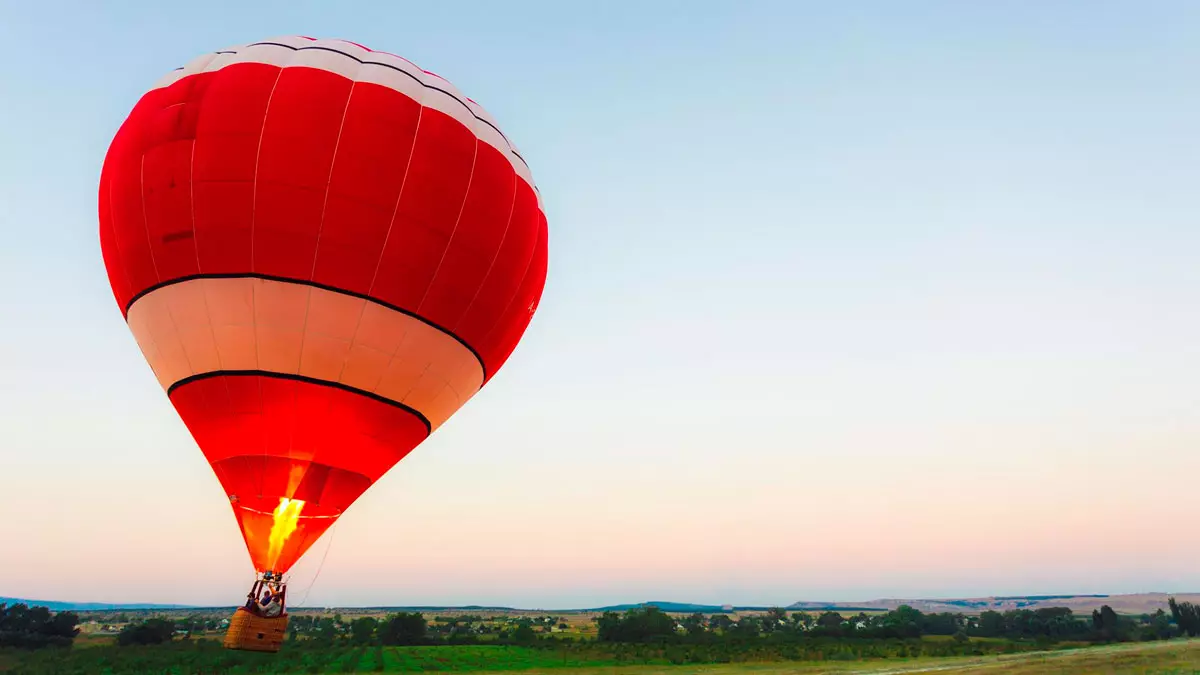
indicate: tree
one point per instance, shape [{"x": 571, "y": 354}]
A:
[
  {"x": 609, "y": 626},
  {"x": 148, "y": 632},
  {"x": 33, "y": 627},
  {"x": 1054, "y": 622},
  {"x": 904, "y": 621},
  {"x": 325, "y": 631},
  {"x": 405, "y": 628},
  {"x": 63, "y": 624},
  {"x": 721, "y": 622},
  {"x": 746, "y": 628},
  {"x": 1107, "y": 624},
  {"x": 774, "y": 619},
  {"x": 362, "y": 630},
  {"x": 641, "y": 624},
  {"x": 1186, "y": 615},
  {"x": 524, "y": 634},
  {"x": 694, "y": 624},
  {"x": 802, "y": 620},
  {"x": 1158, "y": 626},
  {"x": 830, "y": 620},
  {"x": 942, "y": 623},
  {"x": 991, "y": 624}
]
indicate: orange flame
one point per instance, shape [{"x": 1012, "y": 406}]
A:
[{"x": 287, "y": 516}]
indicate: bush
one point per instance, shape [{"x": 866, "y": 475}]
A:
[
  {"x": 405, "y": 628},
  {"x": 148, "y": 632}
]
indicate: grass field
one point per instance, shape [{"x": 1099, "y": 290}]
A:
[
  {"x": 187, "y": 659},
  {"x": 1146, "y": 658},
  {"x": 1175, "y": 657}
]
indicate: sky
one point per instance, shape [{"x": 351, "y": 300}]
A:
[{"x": 845, "y": 301}]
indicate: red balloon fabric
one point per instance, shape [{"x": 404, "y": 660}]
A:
[{"x": 323, "y": 252}]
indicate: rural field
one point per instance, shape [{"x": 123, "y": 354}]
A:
[
  {"x": 640, "y": 641},
  {"x": 1175, "y": 657}
]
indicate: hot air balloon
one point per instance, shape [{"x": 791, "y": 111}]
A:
[{"x": 323, "y": 251}]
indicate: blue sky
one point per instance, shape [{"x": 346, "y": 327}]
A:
[{"x": 844, "y": 300}]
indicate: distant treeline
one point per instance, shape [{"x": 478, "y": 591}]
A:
[
  {"x": 644, "y": 625},
  {"x": 1055, "y": 624},
  {"x": 412, "y": 629},
  {"x": 33, "y": 627}
]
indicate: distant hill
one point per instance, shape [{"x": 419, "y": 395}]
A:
[
  {"x": 1135, "y": 603},
  {"x": 680, "y": 607},
  {"x": 58, "y": 606}
]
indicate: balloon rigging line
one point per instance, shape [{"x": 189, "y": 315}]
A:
[{"x": 328, "y": 545}]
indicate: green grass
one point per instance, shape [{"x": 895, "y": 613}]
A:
[
  {"x": 1179, "y": 656},
  {"x": 212, "y": 658}
]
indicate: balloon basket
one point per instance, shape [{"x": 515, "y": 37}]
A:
[{"x": 251, "y": 632}]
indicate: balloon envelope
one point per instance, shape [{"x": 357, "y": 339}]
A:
[{"x": 323, "y": 251}]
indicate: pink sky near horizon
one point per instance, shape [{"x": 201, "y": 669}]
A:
[{"x": 1006, "y": 526}]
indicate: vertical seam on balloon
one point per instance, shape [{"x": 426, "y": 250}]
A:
[
  {"x": 254, "y": 323},
  {"x": 403, "y": 336},
  {"x": 304, "y": 329},
  {"x": 292, "y": 421},
  {"x": 462, "y": 400},
  {"x": 213, "y": 330},
  {"x": 329, "y": 179},
  {"x": 146, "y": 223},
  {"x": 254, "y": 291},
  {"x": 157, "y": 350},
  {"x": 258, "y": 381},
  {"x": 112, "y": 225},
  {"x": 399, "y": 196},
  {"x": 299, "y": 363},
  {"x": 324, "y": 210},
  {"x": 145, "y": 220},
  {"x": 257, "y": 159},
  {"x": 496, "y": 256},
  {"x": 179, "y": 336},
  {"x": 450, "y": 241},
  {"x": 417, "y": 381},
  {"x": 128, "y": 280},
  {"x": 262, "y": 419},
  {"x": 192, "y": 204},
  {"x": 521, "y": 322},
  {"x": 386, "y": 237},
  {"x": 516, "y": 291},
  {"x": 391, "y": 358},
  {"x": 196, "y": 240},
  {"x": 454, "y": 230},
  {"x": 329, "y": 396},
  {"x": 196, "y": 247}
]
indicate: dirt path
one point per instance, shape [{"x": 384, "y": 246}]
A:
[{"x": 989, "y": 662}]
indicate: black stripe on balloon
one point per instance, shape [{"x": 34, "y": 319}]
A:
[
  {"x": 308, "y": 380},
  {"x": 400, "y": 70},
  {"x": 305, "y": 282}
]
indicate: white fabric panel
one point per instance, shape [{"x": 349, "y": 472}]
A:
[
  {"x": 431, "y": 91},
  {"x": 219, "y": 324}
]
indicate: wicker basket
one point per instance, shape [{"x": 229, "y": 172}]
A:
[{"x": 256, "y": 633}]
